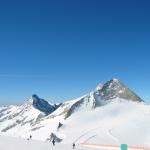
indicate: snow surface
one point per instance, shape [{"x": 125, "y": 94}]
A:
[
  {"x": 9, "y": 143},
  {"x": 118, "y": 122},
  {"x": 115, "y": 123},
  {"x": 89, "y": 121}
]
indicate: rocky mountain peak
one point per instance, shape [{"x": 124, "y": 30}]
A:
[
  {"x": 114, "y": 88},
  {"x": 40, "y": 104}
]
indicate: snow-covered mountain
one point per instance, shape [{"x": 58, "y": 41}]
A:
[
  {"x": 116, "y": 89},
  {"x": 28, "y": 114},
  {"x": 112, "y": 89},
  {"x": 110, "y": 112}
]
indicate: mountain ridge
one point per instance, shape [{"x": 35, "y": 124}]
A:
[{"x": 36, "y": 114}]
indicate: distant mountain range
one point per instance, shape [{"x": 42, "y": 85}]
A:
[{"x": 42, "y": 119}]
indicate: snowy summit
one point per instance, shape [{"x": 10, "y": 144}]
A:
[{"x": 105, "y": 115}]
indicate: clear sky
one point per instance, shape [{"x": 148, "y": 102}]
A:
[{"x": 61, "y": 49}]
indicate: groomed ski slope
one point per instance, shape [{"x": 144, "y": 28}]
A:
[{"x": 11, "y": 143}]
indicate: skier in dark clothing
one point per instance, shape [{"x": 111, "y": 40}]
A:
[
  {"x": 73, "y": 145},
  {"x": 53, "y": 142},
  {"x": 30, "y": 137}
]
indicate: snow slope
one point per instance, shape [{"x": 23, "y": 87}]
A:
[
  {"x": 9, "y": 143},
  {"x": 115, "y": 123},
  {"x": 111, "y": 114}
]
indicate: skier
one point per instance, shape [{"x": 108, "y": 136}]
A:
[
  {"x": 30, "y": 137},
  {"x": 53, "y": 142},
  {"x": 59, "y": 126},
  {"x": 73, "y": 145}
]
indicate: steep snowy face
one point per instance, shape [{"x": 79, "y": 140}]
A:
[
  {"x": 116, "y": 89},
  {"x": 41, "y": 104}
]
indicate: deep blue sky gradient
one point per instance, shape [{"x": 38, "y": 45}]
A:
[{"x": 61, "y": 49}]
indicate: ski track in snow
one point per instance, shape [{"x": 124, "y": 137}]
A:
[
  {"x": 90, "y": 138},
  {"x": 84, "y": 134},
  {"x": 112, "y": 136}
]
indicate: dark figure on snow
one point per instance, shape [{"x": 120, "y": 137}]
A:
[
  {"x": 30, "y": 137},
  {"x": 53, "y": 142},
  {"x": 59, "y": 125},
  {"x": 73, "y": 145}
]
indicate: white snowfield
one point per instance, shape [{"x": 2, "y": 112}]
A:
[
  {"x": 118, "y": 122},
  {"x": 115, "y": 123},
  {"x": 9, "y": 143},
  {"x": 100, "y": 119}
]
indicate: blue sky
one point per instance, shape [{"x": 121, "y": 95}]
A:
[{"x": 61, "y": 49}]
